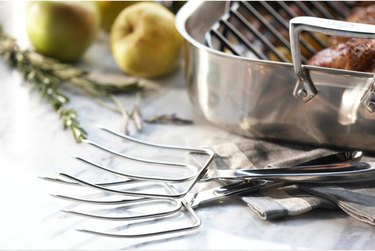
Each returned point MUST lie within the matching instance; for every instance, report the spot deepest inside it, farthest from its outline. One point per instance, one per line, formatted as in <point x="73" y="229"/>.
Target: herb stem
<point x="47" y="75"/>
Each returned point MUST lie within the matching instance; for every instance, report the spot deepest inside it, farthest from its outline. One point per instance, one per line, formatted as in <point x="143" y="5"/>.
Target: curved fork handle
<point x="359" y="171"/>
<point x="344" y="172"/>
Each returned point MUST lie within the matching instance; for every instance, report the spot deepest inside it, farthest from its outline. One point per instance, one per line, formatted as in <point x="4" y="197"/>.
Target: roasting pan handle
<point x="305" y="88"/>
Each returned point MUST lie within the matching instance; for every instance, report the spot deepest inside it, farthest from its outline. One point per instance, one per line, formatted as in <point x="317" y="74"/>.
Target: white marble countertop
<point x="32" y="144"/>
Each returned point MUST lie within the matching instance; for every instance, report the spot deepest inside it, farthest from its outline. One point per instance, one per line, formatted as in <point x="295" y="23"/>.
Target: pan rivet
<point x="302" y="93"/>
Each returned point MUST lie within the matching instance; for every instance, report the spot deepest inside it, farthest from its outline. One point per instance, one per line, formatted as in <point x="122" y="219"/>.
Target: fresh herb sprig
<point x="47" y="75"/>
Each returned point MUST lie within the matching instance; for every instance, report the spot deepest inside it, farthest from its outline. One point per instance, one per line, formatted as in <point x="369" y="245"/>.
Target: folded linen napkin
<point x="356" y="199"/>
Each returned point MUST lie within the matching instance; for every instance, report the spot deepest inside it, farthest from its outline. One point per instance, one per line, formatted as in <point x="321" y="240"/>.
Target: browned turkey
<point x="350" y="54"/>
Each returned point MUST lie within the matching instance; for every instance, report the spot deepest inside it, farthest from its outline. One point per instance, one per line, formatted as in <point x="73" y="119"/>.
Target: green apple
<point x="109" y="10"/>
<point x="144" y="40"/>
<point x="62" y="30"/>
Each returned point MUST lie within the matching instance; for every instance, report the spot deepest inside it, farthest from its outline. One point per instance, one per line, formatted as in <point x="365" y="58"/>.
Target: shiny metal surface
<point x="177" y="208"/>
<point x="337" y="167"/>
<point x="305" y="89"/>
<point x="333" y="173"/>
<point x="161" y="180"/>
<point x="255" y="97"/>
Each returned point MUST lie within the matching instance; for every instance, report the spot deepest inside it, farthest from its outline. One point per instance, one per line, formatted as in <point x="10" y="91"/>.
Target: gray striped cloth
<point x="356" y="199"/>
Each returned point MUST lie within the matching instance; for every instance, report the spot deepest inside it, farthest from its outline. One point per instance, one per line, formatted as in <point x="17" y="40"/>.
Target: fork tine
<point x="196" y="224"/>
<point x="102" y="202"/>
<point x="113" y="183"/>
<point x="161" y="214"/>
<point x="141" y="235"/>
<point x="146" y="143"/>
<point x="122" y="218"/>
<point x="142" y="192"/>
<point x="137" y="194"/>
<point x="58" y="180"/>
<point x="148" y="161"/>
<point x="206" y="151"/>
<point x="138" y="177"/>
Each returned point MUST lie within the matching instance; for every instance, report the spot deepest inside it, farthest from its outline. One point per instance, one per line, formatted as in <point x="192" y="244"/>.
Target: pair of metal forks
<point x="341" y="167"/>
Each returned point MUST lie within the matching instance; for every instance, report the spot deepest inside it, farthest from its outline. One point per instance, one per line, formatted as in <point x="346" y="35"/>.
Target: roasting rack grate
<point x="260" y="29"/>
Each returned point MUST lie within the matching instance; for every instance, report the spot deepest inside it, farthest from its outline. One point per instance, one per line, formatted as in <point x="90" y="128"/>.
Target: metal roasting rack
<point x="260" y="29"/>
<point x="242" y="72"/>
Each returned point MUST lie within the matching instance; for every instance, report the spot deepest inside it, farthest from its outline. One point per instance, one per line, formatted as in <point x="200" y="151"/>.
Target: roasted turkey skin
<point x="355" y="54"/>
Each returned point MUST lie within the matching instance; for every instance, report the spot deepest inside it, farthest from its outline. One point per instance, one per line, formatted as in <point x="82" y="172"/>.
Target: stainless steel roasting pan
<point x="254" y="98"/>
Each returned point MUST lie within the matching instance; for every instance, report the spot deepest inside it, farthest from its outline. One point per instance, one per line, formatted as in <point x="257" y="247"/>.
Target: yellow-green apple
<point x="144" y="40"/>
<point x="109" y="10"/>
<point x="62" y="30"/>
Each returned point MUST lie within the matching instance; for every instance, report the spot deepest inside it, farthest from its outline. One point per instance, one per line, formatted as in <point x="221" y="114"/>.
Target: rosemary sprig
<point x="47" y="75"/>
